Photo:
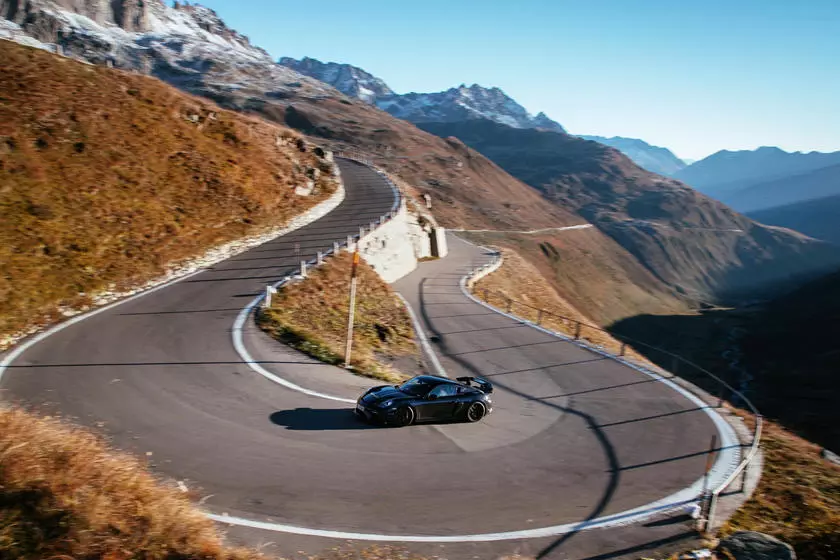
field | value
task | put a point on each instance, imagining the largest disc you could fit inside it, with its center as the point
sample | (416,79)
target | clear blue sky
(695,76)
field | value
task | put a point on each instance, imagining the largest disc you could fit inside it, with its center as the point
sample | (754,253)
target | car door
(440,403)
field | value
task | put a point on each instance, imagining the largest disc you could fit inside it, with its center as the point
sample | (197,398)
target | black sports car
(427,398)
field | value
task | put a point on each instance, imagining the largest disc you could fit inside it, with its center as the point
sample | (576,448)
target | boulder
(750,545)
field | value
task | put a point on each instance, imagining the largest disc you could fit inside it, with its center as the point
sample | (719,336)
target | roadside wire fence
(638,354)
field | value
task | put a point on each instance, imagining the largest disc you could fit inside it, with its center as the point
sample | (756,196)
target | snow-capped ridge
(458,103)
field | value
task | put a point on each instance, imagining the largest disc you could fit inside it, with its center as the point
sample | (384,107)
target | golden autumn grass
(518,287)
(64,494)
(311,315)
(107,178)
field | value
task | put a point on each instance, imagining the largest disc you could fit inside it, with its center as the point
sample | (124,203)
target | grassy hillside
(590,271)
(311,316)
(797,499)
(107,177)
(70,496)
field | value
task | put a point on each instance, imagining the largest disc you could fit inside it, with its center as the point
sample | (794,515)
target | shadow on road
(319,419)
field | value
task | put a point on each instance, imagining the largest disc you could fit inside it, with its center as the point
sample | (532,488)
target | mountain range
(725,173)
(539,177)
(452,105)
(795,190)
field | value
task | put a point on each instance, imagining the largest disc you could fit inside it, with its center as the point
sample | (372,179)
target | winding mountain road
(575,437)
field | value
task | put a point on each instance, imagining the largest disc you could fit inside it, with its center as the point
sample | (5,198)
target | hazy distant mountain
(819,183)
(452,105)
(653,158)
(725,172)
(817,218)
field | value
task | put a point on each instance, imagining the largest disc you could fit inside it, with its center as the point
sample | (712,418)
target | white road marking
(526,231)
(424,341)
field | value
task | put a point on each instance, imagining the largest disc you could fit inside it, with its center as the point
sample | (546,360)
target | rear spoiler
(478,382)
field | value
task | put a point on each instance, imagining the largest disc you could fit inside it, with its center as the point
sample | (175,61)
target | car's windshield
(416,387)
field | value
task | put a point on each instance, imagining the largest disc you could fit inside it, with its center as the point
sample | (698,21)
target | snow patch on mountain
(186,45)
(452,105)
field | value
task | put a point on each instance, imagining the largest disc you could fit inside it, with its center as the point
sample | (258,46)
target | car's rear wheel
(404,416)
(476,412)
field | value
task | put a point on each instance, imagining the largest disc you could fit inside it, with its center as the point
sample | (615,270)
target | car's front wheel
(404,416)
(476,412)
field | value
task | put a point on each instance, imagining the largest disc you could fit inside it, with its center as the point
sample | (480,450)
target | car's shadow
(320,419)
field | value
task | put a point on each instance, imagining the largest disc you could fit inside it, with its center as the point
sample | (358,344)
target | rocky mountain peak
(348,79)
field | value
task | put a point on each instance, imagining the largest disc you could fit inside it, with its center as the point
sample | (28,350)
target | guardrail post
(336,247)
(303,269)
(319,258)
(269,291)
(361,232)
(349,243)
(372,226)
(623,349)
(539,316)
(577,330)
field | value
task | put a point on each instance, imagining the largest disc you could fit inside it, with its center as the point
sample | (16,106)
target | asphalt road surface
(574,436)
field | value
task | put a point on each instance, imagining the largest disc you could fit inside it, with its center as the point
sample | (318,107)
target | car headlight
(386,404)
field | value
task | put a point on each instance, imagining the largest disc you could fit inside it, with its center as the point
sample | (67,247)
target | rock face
(32,15)
(452,105)
(749,545)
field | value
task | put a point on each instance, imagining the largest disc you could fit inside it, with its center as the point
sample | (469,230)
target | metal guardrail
(352,241)
(625,350)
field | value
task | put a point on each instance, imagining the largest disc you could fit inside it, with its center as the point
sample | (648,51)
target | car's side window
(444,390)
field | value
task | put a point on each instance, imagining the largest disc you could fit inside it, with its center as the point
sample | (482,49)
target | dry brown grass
(106,178)
(588,268)
(797,499)
(65,495)
(519,288)
(311,315)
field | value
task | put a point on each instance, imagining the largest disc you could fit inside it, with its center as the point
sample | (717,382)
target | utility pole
(352,314)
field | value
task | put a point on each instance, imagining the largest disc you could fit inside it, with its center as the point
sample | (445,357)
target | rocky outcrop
(39,18)
(750,545)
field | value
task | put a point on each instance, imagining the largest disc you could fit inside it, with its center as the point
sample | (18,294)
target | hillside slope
(687,240)
(816,218)
(106,178)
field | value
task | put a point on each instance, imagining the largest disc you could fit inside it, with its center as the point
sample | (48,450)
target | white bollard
(303,269)
(349,243)
(336,248)
(320,258)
